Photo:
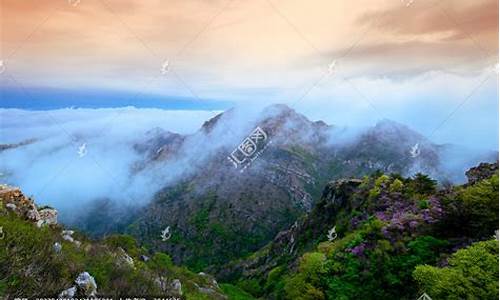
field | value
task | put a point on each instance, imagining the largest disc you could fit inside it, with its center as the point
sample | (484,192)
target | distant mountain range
(217,209)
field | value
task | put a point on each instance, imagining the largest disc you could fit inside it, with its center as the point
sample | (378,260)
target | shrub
(396,186)
(472,274)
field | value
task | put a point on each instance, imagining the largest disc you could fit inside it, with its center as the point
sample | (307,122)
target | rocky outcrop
(13,199)
(481,172)
(48,216)
(68,293)
(176,287)
(67,235)
(85,286)
(124,258)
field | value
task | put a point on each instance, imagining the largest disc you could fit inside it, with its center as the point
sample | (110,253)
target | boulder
(14,199)
(124,257)
(68,293)
(33,215)
(176,286)
(11,206)
(48,216)
(57,247)
(86,284)
(67,235)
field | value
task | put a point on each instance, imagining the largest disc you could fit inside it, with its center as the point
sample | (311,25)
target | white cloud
(52,170)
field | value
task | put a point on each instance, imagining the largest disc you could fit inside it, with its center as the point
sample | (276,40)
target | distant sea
(49,99)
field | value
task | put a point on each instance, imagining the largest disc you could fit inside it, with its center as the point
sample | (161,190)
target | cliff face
(14,200)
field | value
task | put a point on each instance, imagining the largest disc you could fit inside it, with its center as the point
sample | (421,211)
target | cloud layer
(60,171)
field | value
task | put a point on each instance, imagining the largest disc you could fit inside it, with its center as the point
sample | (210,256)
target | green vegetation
(479,206)
(396,239)
(471,210)
(472,274)
(235,293)
(30,266)
(392,234)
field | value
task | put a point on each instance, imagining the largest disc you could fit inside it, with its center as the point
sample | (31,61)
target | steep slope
(40,258)
(385,226)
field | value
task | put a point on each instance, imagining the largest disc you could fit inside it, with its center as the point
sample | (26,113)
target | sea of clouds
(83,154)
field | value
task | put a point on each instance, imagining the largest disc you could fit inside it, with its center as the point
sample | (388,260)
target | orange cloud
(224,43)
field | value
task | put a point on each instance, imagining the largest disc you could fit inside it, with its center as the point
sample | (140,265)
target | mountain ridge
(218,213)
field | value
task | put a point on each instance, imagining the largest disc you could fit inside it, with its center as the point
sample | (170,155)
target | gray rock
(481,172)
(123,256)
(57,247)
(67,235)
(68,293)
(86,283)
(33,215)
(11,206)
(177,286)
(215,283)
(161,282)
(68,238)
(48,216)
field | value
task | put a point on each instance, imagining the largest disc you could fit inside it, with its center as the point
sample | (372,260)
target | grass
(235,293)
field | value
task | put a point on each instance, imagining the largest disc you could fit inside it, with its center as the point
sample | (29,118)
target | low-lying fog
(82,154)
(79,155)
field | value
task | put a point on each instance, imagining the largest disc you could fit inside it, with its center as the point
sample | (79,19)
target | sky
(432,65)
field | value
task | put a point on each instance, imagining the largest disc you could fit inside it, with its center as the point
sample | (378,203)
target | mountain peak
(390,130)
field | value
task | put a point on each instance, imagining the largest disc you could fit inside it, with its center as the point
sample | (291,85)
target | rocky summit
(13,199)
